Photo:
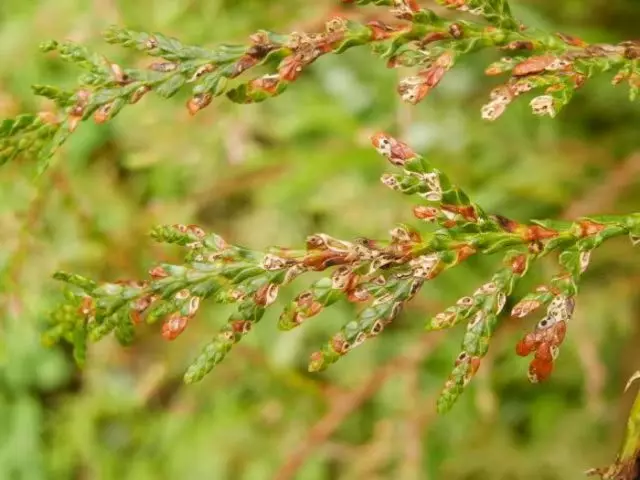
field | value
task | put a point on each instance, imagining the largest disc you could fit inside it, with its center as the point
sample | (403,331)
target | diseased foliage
(379,276)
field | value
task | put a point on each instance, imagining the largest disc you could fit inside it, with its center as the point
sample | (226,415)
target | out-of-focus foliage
(272,174)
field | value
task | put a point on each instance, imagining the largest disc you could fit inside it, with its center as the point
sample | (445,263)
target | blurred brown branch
(603,196)
(343,405)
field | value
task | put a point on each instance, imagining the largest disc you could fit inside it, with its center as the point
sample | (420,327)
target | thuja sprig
(558,64)
(380,275)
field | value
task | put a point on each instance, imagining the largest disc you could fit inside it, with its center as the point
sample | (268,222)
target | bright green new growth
(381,275)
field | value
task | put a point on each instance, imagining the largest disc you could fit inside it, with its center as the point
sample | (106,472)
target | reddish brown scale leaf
(400,250)
(414,90)
(518,264)
(524,308)
(319,261)
(315,242)
(462,358)
(555,88)
(620,77)
(572,40)
(434,74)
(526,345)
(543,353)
(74,121)
(140,306)
(323,47)
(413,5)
(266,295)
(174,326)
(339,344)
(307,306)
(83,96)
(425,213)
(414,236)
(474,365)
(344,279)
(631,49)
(198,102)
(241,326)
(519,45)
(437,270)
(314,309)
(77,111)
(137,95)
(208,68)
(465,211)
(151,43)
(358,295)
(532,65)
(135,316)
(316,360)
(464,252)
(260,39)
(494,70)
(304,300)
(87,306)
(380,31)
(393,62)
(588,228)
(333,40)
(243,64)
(535,247)
(507,224)
(372,244)
(49,118)
(196,230)
(455,30)
(557,333)
(547,288)
(182,294)
(433,37)
(535,233)
(456,3)
(396,151)
(163,67)
(118,74)
(578,79)
(102,114)
(540,370)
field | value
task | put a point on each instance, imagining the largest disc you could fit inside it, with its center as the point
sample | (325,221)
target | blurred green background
(270,174)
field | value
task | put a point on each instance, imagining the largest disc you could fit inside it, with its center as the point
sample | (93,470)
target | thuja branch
(554,64)
(381,275)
